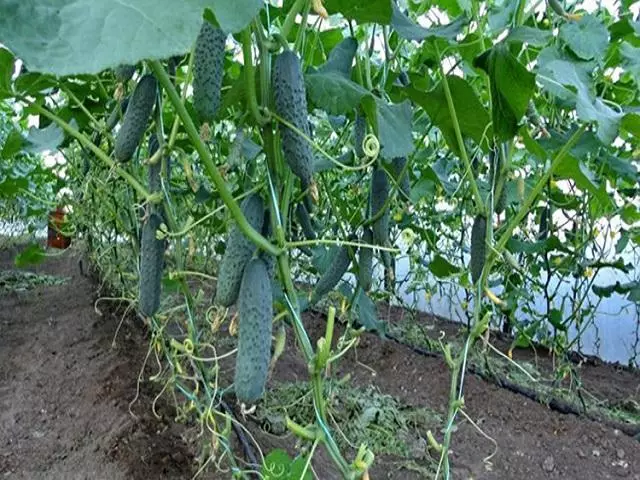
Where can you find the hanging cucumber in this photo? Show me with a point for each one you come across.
(238, 253)
(208, 70)
(378, 198)
(136, 118)
(478, 247)
(255, 311)
(290, 100)
(365, 261)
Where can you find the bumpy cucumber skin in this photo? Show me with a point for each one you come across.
(543, 231)
(208, 69)
(379, 195)
(478, 247)
(290, 100)
(124, 73)
(238, 253)
(398, 164)
(151, 259)
(332, 276)
(305, 222)
(255, 311)
(136, 118)
(359, 132)
(365, 261)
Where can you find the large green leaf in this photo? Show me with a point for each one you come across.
(588, 38)
(631, 63)
(530, 35)
(576, 170)
(394, 128)
(341, 58)
(333, 92)
(558, 72)
(473, 118)
(65, 37)
(442, 268)
(6, 71)
(631, 289)
(44, 139)
(410, 30)
(512, 86)
(12, 144)
(362, 11)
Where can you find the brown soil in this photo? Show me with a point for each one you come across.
(65, 394)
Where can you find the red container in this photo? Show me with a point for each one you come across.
(55, 239)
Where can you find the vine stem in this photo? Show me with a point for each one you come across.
(205, 156)
(328, 241)
(86, 142)
(290, 19)
(250, 77)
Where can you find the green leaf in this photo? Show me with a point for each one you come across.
(44, 139)
(31, 255)
(576, 170)
(631, 289)
(65, 37)
(442, 268)
(12, 144)
(341, 58)
(512, 86)
(278, 465)
(333, 92)
(367, 313)
(532, 36)
(631, 60)
(394, 128)
(233, 16)
(555, 319)
(7, 62)
(473, 118)
(410, 30)
(631, 123)
(588, 38)
(362, 11)
(592, 109)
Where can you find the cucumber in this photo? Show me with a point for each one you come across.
(543, 232)
(501, 202)
(291, 104)
(332, 276)
(151, 260)
(365, 261)
(379, 195)
(136, 118)
(238, 253)
(305, 222)
(255, 311)
(397, 165)
(478, 247)
(124, 73)
(359, 132)
(208, 70)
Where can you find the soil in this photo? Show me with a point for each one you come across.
(66, 389)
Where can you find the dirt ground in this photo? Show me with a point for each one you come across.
(65, 392)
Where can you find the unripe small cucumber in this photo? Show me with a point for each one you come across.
(332, 276)
(208, 70)
(379, 195)
(290, 100)
(478, 247)
(136, 118)
(365, 262)
(305, 222)
(238, 252)
(151, 260)
(255, 311)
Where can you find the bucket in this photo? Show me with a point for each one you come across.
(55, 239)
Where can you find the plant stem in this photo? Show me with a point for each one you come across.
(250, 77)
(205, 156)
(85, 142)
(290, 20)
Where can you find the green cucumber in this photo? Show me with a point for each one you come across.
(255, 312)
(136, 118)
(478, 247)
(365, 261)
(398, 165)
(238, 252)
(208, 70)
(359, 132)
(379, 195)
(332, 276)
(291, 104)
(304, 220)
